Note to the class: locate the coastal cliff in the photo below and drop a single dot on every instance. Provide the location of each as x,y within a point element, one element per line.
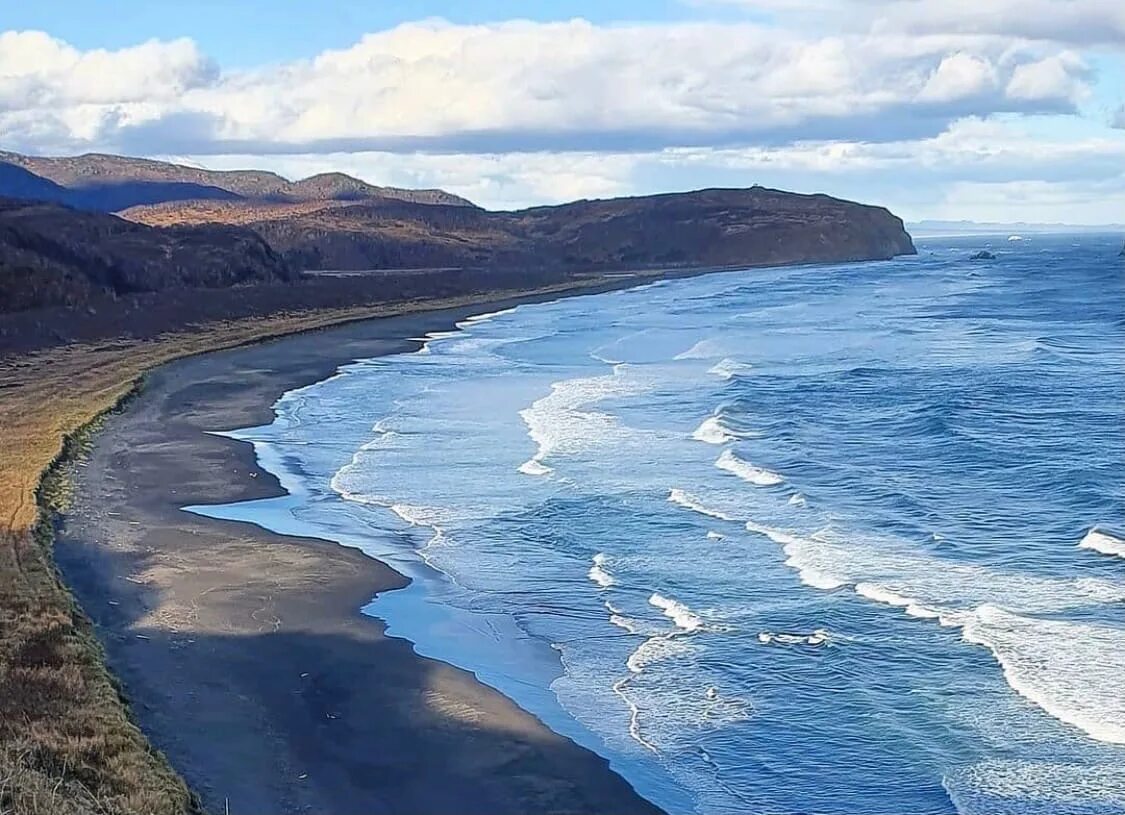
<point>202,229</point>
<point>752,227</point>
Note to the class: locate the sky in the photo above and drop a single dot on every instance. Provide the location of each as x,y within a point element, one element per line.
<point>987,110</point>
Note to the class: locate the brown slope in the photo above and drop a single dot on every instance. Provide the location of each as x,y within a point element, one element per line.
<point>103,170</point>
<point>753,226</point>
<point>52,255</point>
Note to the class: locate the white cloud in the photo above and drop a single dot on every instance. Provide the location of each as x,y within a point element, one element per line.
<point>1060,76</point>
<point>39,71</point>
<point>959,76</point>
<point>526,86</point>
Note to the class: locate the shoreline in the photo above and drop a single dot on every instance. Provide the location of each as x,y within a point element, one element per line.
<point>211,613</point>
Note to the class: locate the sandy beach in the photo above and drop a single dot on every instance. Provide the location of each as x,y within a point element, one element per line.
<point>244,654</point>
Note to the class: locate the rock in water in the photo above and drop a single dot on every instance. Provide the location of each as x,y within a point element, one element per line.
<point>984,254</point>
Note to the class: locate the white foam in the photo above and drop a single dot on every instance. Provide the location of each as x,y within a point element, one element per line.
<point>653,650</point>
<point>534,467</point>
<point>797,500</point>
<point>1070,669</point>
<point>488,315</point>
<point>818,637</point>
<point>598,572</point>
<point>746,471</point>
<point>1103,542</point>
<point>728,368</point>
<point>683,499</point>
<point>684,618</point>
<point>560,423</point>
<point>712,431</point>
<point>714,536</point>
<point>1018,787</point>
<point>881,594</point>
<point>704,349</point>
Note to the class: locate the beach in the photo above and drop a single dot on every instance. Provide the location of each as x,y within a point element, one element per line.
<point>244,654</point>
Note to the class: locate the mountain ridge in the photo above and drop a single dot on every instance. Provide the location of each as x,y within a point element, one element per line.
<point>92,173</point>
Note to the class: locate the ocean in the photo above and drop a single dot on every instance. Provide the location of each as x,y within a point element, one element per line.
<point>832,539</point>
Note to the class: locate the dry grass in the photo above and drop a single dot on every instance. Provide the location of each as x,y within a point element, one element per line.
<point>177,213</point>
<point>67,743</point>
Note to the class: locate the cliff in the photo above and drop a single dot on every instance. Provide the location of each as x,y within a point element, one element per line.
<point>197,228</point>
<point>751,227</point>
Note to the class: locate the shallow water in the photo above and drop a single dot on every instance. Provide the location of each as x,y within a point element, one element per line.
<point>782,540</point>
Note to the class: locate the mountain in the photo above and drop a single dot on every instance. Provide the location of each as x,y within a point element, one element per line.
<point>752,227</point>
<point>53,255</point>
<point>109,183</point>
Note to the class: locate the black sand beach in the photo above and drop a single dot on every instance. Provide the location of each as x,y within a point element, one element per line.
<point>244,654</point>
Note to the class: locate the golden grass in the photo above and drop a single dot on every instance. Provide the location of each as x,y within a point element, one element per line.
<point>67,743</point>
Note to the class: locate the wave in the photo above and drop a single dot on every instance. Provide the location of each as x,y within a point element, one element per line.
<point>559,423</point>
<point>488,315</point>
<point>797,500</point>
<point>818,637</point>
<point>1070,669</point>
<point>746,471</point>
<point>715,536</point>
<point>728,368</point>
<point>684,618</point>
<point>599,574</point>
<point>713,431</point>
<point>1103,542</point>
<point>683,499</point>
<point>704,349</point>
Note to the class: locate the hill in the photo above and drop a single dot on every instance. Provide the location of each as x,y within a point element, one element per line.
<point>52,255</point>
<point>110,183</point>
<point>751,227</point>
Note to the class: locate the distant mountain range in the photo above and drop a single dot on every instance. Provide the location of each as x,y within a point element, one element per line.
<point>932,228</point>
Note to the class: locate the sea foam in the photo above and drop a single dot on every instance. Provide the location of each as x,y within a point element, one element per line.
<point>561,423</point>
<point>598,572</point>
<point>677,612</point>
<point>728,368</point>
<point>683,499</point>
<point>1103,542</point>
<point>1069,669</point>
<point>713,431</point>
<point>746,471</point>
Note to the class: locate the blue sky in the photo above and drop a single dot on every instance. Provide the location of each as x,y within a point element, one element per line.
<point>980,109</point>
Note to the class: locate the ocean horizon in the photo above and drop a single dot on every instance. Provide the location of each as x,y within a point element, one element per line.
<point>836,538</point>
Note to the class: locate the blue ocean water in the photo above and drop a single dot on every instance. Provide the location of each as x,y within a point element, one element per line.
<point>833,539</point>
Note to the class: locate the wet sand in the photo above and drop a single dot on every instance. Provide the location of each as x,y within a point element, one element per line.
<point>244,654</point>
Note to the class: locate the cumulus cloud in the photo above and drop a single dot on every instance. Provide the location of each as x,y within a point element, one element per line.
<point>39,71</point>
<point>527,86</point>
